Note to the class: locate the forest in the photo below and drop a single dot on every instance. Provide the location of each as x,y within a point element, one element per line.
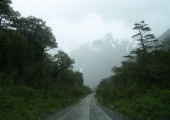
<point>33,83</point>
<point>140,87</point>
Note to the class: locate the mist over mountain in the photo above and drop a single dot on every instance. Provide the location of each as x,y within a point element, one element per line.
<point>164,35</point>
<point>96,59</point>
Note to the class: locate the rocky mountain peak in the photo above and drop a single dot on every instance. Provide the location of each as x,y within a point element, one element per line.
<point>95,62</point>
<point>108,36</point>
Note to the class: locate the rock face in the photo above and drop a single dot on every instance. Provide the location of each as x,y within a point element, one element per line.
<point>96,60</point>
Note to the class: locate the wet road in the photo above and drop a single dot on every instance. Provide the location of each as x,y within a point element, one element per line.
<point>85,110</point>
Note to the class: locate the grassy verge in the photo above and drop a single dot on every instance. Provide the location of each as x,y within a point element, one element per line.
<point>151,105</point>
<point>26,103</point>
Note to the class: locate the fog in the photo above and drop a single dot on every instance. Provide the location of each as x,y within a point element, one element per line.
<point>76,22</point>
<point>96,60</point>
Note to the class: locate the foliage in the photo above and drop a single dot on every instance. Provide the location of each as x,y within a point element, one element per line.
<point>33,83</point>
<point>140,87</point>
<point>61,62</point>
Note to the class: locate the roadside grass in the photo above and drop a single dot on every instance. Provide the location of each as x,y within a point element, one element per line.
<point>26,103</point>
<point>152,105</point>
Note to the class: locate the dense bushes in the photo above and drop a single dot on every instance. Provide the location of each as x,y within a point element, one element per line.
<point>24,102</point>
<point>151,104</point>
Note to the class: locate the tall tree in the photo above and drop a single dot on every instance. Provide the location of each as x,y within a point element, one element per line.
<point>39,36</point>
<point>61,62</point>
<point>146,40</point>
<point>143,54</point>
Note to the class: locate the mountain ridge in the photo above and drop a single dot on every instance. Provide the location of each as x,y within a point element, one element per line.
<point>95,59</point>
<point>164,35</point>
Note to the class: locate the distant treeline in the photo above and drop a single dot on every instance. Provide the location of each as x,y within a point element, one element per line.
<point>140,88</point>
<point>33,83</point>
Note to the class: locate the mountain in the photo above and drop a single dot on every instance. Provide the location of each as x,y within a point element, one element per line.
<point>95,60</point>
<point>162,38</point>
<point>164,35</point>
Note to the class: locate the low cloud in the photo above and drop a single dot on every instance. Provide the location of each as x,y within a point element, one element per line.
<point>75,22</point>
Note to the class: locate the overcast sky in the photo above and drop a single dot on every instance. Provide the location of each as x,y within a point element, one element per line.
<point>75,22</point>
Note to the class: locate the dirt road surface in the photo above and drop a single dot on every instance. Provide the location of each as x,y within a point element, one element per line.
<point>87,109</point>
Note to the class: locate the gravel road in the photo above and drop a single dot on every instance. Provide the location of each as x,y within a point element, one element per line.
<point>87,109</point>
